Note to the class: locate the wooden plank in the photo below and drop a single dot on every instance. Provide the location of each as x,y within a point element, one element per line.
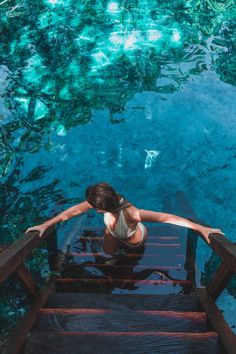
<point>191,249</point>
<point>17,338</point>
<point>109,284</point>
<point>222,246</point>
<point>219,281</point>
<point>128,255</point>
<point>53,261</point>
<point>217,321</point>
<point>122,343</point>
<point>98,238</point>
<point>3,246</point>
<point>15,254</point>
<point>225,249</point>
<point>76,267</point>
<point>123,301</point>
<point>23,275</point>
<point>117,280</point>
<point>120,320</point>
<point>192,237</point>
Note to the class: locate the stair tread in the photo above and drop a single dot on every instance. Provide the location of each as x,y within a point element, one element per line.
<point>123,301</point>
<point>113,269</point>
<point>132,286</point>
<point>121,342</point>
<point>109,280</point>
<point>162,259</point>
<point>97,320</point>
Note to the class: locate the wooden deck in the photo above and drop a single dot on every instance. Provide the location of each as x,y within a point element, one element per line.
<point>138,302</point>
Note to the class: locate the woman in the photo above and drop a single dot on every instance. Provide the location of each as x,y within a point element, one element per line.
<point>123,220</point>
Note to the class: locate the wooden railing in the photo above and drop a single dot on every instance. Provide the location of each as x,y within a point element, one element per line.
<point>226,250</point>
<point>12,259</point>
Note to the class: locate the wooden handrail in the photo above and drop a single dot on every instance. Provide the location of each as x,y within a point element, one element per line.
<point>12,259</point>
<point>222,246</point>
<point>218,323</point>
<point>226,250</point>
<point>16,340</point>
<point>15,254</point>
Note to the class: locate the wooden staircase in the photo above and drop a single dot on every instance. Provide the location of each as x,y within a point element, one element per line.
<point>120,323</point>
<point>143,301</point>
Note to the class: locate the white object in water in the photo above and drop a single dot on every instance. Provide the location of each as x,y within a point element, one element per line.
<point>151,156</point>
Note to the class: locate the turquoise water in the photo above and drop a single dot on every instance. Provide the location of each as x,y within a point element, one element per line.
<point>140,94</point>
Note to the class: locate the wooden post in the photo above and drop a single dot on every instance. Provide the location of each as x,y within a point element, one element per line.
<point>17,338</point>
<point>51,241</point>
<point>15,254</point>
<point>217,321</point>
<point>219,281</point>
<point>23,274</point>
<point>191,257</point>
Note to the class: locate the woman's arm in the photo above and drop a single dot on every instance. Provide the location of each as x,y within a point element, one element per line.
<point>153,216</point>
<point>65,215</point>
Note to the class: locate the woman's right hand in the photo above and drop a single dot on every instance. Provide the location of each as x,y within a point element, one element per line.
<point>41,228</point>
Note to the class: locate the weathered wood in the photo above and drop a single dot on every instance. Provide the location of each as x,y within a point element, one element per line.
<point>123,301</point>
<point>168,252</point>
<point>108,284</point>
<point>223,247</point>
<point>122,343</point>
<point>217,321</point>
<point>77,266</point>
<point>24,326</point>
<point>15,254</point>
<point>116,280</point>
<point>97,320</point>
<point>160,239</point>
<point>219,281</point>
<point>191,257</point>
<point>3,246</point>
<point>52,251</point>
<point>23,274</point>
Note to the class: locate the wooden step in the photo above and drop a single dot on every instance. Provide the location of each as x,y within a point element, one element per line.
<point>121,302</point>
<point>144,260</point>
<point>158,239</point>
<point>121,266</point>
<point>146,286</point>
<point>128,255</point>
<point>108,320</point>
<point>111,268</point>
<point>62,342</point>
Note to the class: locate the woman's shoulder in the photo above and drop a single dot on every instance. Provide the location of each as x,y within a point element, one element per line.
<point>132,213</point>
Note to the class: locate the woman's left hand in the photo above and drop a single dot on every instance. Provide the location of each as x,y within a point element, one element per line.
<point>206,231</point>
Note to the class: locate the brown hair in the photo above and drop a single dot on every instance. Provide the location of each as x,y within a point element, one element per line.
<point>103,196</point>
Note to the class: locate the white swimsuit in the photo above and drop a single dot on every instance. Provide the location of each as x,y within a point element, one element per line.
<point>122,231</point>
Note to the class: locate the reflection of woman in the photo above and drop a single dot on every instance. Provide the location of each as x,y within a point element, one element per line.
<point>123,220</point>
